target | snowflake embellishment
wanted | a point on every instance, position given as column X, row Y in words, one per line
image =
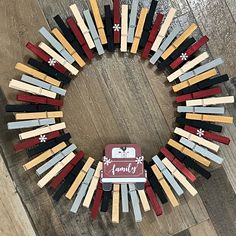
column 139, row 160
column 116, row 27
column 52, row 62
column 43, row 138
column 200, row 132
column 106, row 161
column 184, row 57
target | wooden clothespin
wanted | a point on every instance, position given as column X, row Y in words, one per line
column 55, row 159
column 135, row 203
column 210, row 101
column 132, row 20
column 124, row 28
column 202, row 151
column 97, row 201
column 178, row 164
column 197, row 139
column 68, row 47
column 179, row 41
column 144, row 200
column 93, row 186
column 188, row 66
column 37, row 74
column 189, row 152
column 45, row 57
column 201, row 69
column 59, row 58
column 44, row 156
column 189, row 52
column 82, row 190
column 115, row 203
column 98, row 21
column 84, row 29
column 39, row 115
column 207, row 134
column 165, row 186
column 139, row 30
column 55, row 170
column 38, row 99
column 196, row 79
column 34, row 141
column 44, row 130
column 79, row 178
column 211, row 118
column 28, row 88
column 180, row 177
column 168, row 175
column 30, row 123
column 124, row 198
column 164, row 28
column 93, row 31
column 153, row 199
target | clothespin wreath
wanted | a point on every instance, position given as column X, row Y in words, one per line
column 122, row 174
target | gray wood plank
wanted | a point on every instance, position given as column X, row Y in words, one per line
column 215, row 20
column 16, row 29
column 37, row 201
column 183, row 233
column 219, row 199
column 204, row 229
column 14, row 217
column 231, row 5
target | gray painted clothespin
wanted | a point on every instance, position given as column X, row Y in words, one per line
column 30, row 123
column 58, row 157
column 202, row 110
column 124, row 198
column 56, row 44
column 203, row 151
column 135, row 203
column 82, row 191
column 165, row 45
column 133, row 20
column 93, row 31
column 168, row 175
column 201, row 69
column 42, row 84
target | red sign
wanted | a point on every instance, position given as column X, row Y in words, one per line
column 123, row 163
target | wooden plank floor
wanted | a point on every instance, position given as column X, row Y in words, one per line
column 117, row 98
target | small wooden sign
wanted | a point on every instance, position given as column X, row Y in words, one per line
column 123, row 163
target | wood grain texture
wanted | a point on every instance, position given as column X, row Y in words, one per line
column 204, row 229
column 183, row 233
column 14, row 218
column 119, row 98
column 220, row 202
column 217, row 21
column 231, row 5
column 38, row 203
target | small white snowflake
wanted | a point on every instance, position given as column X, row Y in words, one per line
column 184, row 57
column 106, row 161
column 116, row 27
column 139, row 160
column 200, row 132
column 52, row 62
column 43, row 138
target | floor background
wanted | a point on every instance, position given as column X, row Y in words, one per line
column 117, row 98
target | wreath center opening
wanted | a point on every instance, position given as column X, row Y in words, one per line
column 119, row 99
